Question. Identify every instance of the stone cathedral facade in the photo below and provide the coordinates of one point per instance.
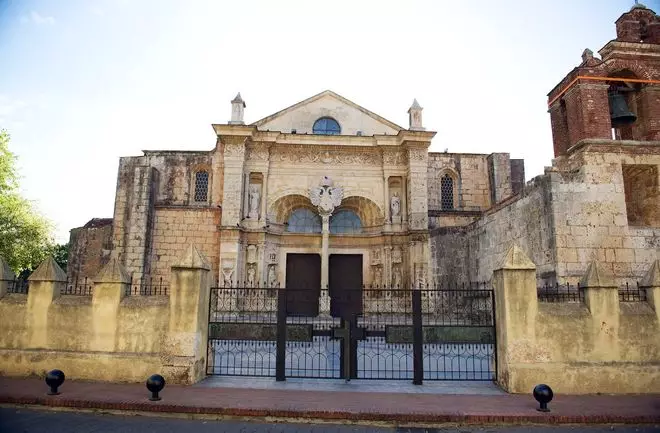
(326, 188)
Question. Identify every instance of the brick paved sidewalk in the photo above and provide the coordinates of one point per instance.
(333, 405)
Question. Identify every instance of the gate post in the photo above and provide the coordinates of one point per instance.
(280, 351)
(418, 338)
(184, 349)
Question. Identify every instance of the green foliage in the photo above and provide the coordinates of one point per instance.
(25, 235)
(60, 253)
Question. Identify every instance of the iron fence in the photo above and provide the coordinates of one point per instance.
(78, 287)
(632, 294)
(147, 286)
(372, 333)
(19, 286)
(560, 293)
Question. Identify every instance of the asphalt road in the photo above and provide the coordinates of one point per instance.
(20, 420)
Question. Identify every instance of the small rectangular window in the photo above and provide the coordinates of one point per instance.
(201, 186)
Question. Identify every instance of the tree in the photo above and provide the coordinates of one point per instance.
(25, 235)
(60, 253)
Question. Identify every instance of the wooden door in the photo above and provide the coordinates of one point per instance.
(345, 281)
(303, 284)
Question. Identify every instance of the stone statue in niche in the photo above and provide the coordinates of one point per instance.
(378, 276)
(396, 277)
(250, 276)
(395, 205)
(254, 200)
(272, 277)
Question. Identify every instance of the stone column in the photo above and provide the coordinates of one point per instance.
(46, 283)
(324, 250)
(516, 308)
(110, 286)
(651, 283)
(602, 298)
(184, 352)
(386, 194)
(264, 194)
(6, 275)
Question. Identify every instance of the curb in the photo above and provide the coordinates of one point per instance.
(456, 418)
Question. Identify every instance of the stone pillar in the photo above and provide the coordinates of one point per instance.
(325, 260)
(601, 296)
(46, 283)
(499, 166)
(516, 308)
(264, 195)
(386, 196)
(6, 275)
(110, 286)
(183, 352)
(651, 283)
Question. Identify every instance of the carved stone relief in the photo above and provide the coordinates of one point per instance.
(227, 271)
(396, 255)
(307, 154)
(395, 157)
(375, 256)
(257, 153)
(272, 275)
(252, 254)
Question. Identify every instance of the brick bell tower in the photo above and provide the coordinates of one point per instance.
(616, 97)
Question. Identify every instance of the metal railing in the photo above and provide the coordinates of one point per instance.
(632, 293)
(147, 286)
(560, 293)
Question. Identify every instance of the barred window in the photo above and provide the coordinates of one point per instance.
(201, 186)
(345, 221)
(447, 192)
(303, 220)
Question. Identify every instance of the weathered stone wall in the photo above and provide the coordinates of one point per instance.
(563, 219)
(159, 178)
(108, 336)
(471, 173)
(89, 248)
(599, 346)
(176, 228)
(589, 205)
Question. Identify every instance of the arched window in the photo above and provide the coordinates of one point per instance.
(447, 192)
(326, 126)
(201, 186)
(304, 221)
(345, 221)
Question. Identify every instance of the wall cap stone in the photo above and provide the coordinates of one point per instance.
(112, 272)
(6, 273)
(652, 277)
(516, 258)
(192, 259)
(597, 276)
(48, 270)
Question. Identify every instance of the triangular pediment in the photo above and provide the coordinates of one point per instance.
(352, 118)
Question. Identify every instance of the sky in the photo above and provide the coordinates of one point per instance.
(84, 82)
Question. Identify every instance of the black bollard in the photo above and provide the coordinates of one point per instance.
(155, 384)
(543, 394)
(54, 379)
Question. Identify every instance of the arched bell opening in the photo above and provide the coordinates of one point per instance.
(624, 101)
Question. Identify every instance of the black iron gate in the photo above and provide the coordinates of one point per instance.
(419, 334)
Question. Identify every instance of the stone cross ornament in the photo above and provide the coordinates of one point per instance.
(326, 197)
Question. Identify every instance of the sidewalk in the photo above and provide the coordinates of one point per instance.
(336, 405)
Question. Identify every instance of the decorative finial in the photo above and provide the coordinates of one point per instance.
(638, 5)
(587, 54)
(415, 116)
(237, 109)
